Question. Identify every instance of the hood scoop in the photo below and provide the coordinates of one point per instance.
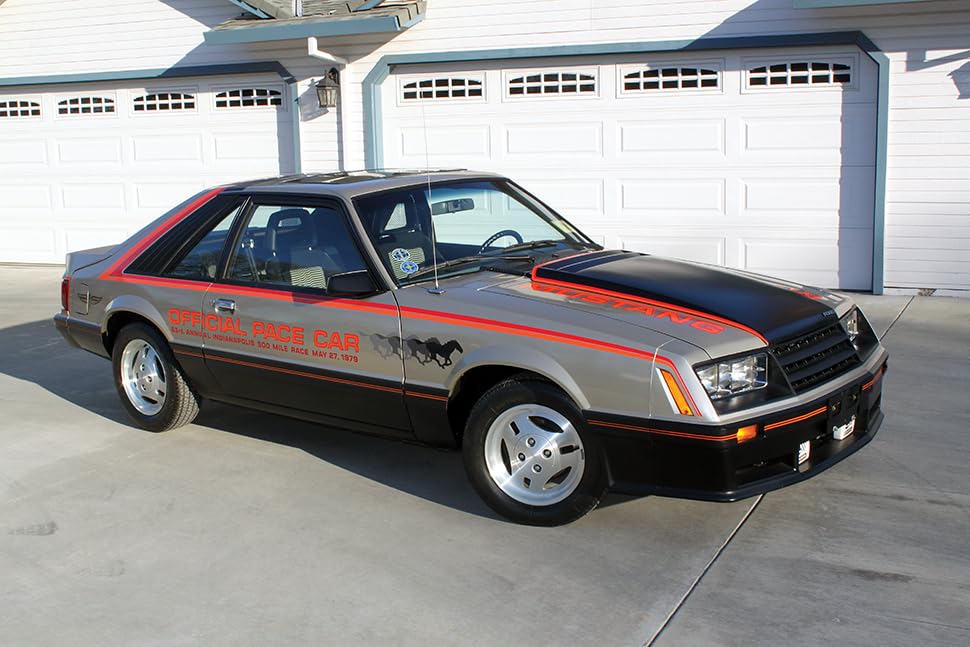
(773, 312)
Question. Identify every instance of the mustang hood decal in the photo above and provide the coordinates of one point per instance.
(772, 310)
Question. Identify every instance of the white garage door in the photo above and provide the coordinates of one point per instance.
(83, 166)
(762, 159)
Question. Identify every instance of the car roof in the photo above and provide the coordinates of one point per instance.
(350, 184)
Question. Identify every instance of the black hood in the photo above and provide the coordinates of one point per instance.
(777, 313)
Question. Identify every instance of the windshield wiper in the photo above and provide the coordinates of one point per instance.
(467, 259)
(534, 244)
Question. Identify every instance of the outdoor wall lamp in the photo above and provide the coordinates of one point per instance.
(328, 89)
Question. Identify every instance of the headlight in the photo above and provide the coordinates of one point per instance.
(850, 323)
(734, 376)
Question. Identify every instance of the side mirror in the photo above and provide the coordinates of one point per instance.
(351, 283)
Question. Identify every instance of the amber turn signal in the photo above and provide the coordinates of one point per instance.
(747, 433)
(676, 394)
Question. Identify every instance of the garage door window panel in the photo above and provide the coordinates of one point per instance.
(164, 102)
(85, 105)
(651, 79)
(442, 88)
(256, 97)
(12, 108)
(295, 247)
(816, 73)
(557, 83)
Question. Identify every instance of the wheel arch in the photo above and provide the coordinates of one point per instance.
(127, 309)
(486, 367)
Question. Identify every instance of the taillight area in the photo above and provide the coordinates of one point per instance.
(66, 294)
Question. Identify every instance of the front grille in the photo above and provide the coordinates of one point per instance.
(816, 357)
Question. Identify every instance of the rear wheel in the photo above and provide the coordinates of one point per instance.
(150, 383)
(527, 453)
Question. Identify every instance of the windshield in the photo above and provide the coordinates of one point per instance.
(477, 224)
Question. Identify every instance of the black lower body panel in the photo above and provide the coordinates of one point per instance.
(709, 463)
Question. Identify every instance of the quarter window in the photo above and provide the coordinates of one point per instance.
(670, 78)
(19, 108)
(201, 261)
(248, 97)
(85, 106)
(442, 88)
(295, 247)
(557, 83)
(164, 101)
(800, 73)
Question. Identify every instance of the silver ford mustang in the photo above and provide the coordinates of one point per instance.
(456, 309)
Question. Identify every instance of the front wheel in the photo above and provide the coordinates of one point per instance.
(527, 453)
(150, 383)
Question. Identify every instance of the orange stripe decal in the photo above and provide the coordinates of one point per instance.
(791, 421)
(868, 385)
(662, 432)
(427, 396)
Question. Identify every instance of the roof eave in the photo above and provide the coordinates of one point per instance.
(306, 27)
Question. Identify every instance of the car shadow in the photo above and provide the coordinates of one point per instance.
(36, 353)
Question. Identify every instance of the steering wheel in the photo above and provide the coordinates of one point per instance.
(501, 234)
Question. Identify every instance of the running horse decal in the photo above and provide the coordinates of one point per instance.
(425, 351)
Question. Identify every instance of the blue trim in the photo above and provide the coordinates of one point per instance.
(302, 28)
(294, 91)
(374, 136)
(251, 9)
(821, 4)
(273, 67)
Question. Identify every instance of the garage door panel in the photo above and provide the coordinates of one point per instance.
(444, 142)
(167, 148)
(88, 150)
(687, 197)
(22, 243)
(93, 196)
(839, 256)
(690, 246)
(23, 152)
(248, 147)
(24, 196)
(573, 196)
(569, 139)
(661, 139)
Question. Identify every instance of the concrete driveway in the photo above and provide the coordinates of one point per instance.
(250, 529)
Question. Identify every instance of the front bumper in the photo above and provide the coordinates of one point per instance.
(707, 462)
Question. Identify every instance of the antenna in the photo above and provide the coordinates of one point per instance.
(427, 172)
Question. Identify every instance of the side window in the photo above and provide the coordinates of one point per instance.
(298, 247)
(202, 259)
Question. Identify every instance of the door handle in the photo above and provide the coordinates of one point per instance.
(223, 305)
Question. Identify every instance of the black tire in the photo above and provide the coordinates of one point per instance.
(501, 399)
(181, 403)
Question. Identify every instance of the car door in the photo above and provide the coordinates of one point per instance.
(276, 335)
